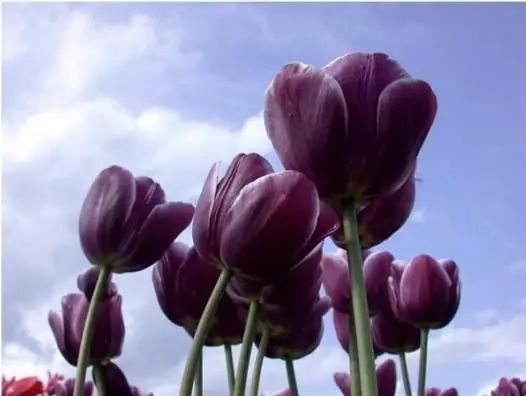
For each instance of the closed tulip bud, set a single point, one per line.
(506, 387)
(341, 327)
(382, 217)
(377, 269)
(28, 386)
(354, 128)
(392, 335)
(427, 294)
(257, 223)
(126, 223)
(439, 392)
(115, 382)
(385, 378)
(67, 388)
(108, 334)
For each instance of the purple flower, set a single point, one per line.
(257, 223)
(427, 294)
(385, 378)
(115, 381)
(506, 387)
(126, 223)
(354, 128)
(67, 387)
(341, 328)
(439, 392)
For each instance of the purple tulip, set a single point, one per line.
(257, 223)
(108, 335)
(67, 387)
(354, 128)
(393, 336)
(125, 222)
(382, 217)
(439, 392)
(115, 381)
(385, 378)
(427, 295)
(506, 387)
(341, 327)
(377, 269)
(87, 281)
(183, 283)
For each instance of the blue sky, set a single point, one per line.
(166, 89)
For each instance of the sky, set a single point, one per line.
(167, 89)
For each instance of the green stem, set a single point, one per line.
(256, 373)
(424, 334)
(230, 368)
(354, 361)
(89, 326)
(405, 374)
(198, 383)
(202, 331)
(291, 376)
(98, 379)
(246, 348)
(359, 301)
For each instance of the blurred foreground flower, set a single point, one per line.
(28, 386)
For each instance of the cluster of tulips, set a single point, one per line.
(349, 135)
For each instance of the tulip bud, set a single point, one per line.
(428, 293)
(108, 334)
(385, 378)
(392, 335)
(354, 128)
(125, 222)
(506, 387)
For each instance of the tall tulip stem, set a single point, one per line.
(360, 310)
(98, 379)
(198, 382)
(405, 375)
(291, 376)
(256, 373)
(230, 368)
(246, 348)
(89, 326)
(203, 328)
(422, 369)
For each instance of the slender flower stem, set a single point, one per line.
(291, 376)
(256, 373)
(230, 368)
(246, 348)
(359, 301)
(202, 331)
(354, 361)
(198, 383)
(424, 335)
(89, 326)
(98, 379)
(405, 375)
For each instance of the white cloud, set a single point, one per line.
(417, 216)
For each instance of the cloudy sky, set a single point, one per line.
(168, 89)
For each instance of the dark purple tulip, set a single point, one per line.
(393, 336)
(427, 294)
(183, 283)
(354, 128)
(257, 223)
(377, 269)
(382, 217)
(341, 327)
(439, 392)
(67, 387)
(108, 335)
(296, 344)
(385, 378)
(125, 222)
(521, 385)
(87, 281)
(115, 381)
(506, 387)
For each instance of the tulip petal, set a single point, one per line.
(386, 378)
(335, 280)
(343, 383)
(57, 328)
(305, 109)
(114, 380)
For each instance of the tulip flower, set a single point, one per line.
(377, 269)
(354, 127)
(392, 335)
(87, 281)
(341, 328)
(439, 392)
(115, 381)
(385, 378)
(506, 387)
(28, 386)
(257, 223)
(109, 330)
(125, 222)
(379, 219)
(427, 295)
(66, 388)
